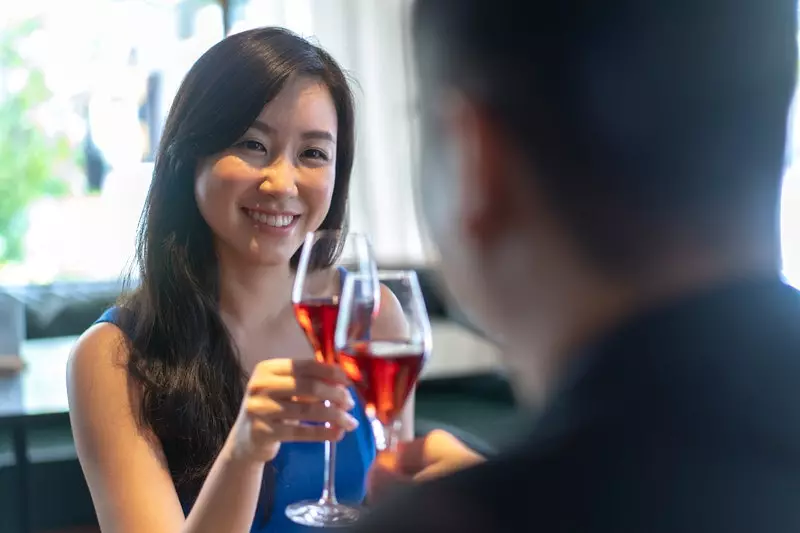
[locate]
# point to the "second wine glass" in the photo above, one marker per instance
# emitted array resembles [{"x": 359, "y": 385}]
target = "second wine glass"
[
  {"x": 316, "y": 296},
  {"x": 384, "y": 361}
]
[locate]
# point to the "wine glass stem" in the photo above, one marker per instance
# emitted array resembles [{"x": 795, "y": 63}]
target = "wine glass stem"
[
  {"x": 329, "y": 479},
  {"x": 391, "y": 434}
]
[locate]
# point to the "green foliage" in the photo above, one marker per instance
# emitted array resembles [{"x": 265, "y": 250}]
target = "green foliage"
[{"x": 29, "y": 158}]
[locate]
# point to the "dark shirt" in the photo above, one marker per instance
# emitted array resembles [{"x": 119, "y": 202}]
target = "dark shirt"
[{"x": 685, "y": 419}]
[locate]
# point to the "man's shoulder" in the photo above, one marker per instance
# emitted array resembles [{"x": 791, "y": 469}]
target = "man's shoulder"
[
  {"x": 464, "y": 502},
  {"x": 541, "y": 475},
  {"x": 606, "y": 477}
]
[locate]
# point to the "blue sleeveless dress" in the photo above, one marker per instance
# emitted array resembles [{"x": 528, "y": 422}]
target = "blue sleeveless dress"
[{"x": 299, "y": 467}]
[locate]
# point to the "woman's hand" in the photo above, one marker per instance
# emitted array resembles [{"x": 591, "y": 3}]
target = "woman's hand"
[
  {"x": 435, "y": 455},
  {"x": 282, "y": 396}
]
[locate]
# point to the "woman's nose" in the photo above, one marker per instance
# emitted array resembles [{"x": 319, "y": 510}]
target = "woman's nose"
[{"x": 279, "y": 179}]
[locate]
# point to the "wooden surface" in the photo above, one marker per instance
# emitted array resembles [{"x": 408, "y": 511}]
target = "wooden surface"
[{"x": 40, "y": 388}]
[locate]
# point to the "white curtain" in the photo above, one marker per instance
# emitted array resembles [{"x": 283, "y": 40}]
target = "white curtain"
[{"x": 790, "y": 226}]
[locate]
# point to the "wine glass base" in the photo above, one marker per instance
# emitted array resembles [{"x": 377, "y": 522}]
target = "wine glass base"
[{"x": 315, "y": 513}]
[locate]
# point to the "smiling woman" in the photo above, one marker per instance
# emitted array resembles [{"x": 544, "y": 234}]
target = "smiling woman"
[
  {"x": 256, "y": 152},
  {"x": 262, "y": 195}
]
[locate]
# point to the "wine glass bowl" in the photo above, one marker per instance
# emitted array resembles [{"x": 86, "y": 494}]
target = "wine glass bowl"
[{"x": 384, "y": 360}]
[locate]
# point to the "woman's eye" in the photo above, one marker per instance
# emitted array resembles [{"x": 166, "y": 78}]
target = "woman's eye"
[
  {"x": 314, "y": 153},
  {"x": 253, "y": 145}
]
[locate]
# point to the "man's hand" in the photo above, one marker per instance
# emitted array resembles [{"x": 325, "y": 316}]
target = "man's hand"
[{"x": 435, "y": 455}]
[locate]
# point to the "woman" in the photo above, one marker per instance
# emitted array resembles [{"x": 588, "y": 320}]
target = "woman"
[{"x": 180, "y": 396}]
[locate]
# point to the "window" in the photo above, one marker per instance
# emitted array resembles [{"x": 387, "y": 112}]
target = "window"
[
  {"x": 790, "y": 199},
  {"x": 790, "y": 226},
  {"x": 83, "y": 100}
]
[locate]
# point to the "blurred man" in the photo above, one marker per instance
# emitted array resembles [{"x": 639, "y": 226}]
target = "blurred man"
[{"x": 602, "y": 179}]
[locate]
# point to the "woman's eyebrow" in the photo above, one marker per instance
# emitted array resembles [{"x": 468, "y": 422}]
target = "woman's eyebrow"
[
  {"x": 321, "y": 135},
  {"x": 263, "y": 127}
]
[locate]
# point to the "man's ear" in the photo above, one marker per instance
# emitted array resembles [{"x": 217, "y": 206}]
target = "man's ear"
[{"x": 487, "y": 173}]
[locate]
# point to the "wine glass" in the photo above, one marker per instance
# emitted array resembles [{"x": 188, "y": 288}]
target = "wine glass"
[
  {"x": 315, "y": 297},
  {"x": 384, "y": 366}
]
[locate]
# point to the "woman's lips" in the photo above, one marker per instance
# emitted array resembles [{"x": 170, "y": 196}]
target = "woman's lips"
[{"x": 282, "y": 222}]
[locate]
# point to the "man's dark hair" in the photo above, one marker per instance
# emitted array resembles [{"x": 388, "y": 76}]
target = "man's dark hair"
[{"x": 644, "y": 119}]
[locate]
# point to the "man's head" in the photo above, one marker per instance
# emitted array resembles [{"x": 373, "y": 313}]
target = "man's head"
[{"x": 565, "y": 140}]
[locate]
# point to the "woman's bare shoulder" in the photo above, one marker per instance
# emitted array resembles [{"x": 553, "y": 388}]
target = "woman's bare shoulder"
[
  {"x": 110, "y": 438},
  {"x": 98, "y": 378},
  {"x": 103, "y": 347}
]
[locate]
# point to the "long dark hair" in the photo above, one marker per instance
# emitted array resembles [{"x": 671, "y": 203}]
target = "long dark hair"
[{"x": 182, "y": 358}]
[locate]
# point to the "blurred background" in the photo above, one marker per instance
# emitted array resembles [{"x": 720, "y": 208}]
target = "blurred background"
[{"x": 85, "y": 86}]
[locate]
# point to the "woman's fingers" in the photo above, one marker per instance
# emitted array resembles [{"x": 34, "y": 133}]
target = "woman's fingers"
[
  {"x": 288, "y": 387},
  {"x": 312, "y": 433},
  {"x": 318, "y": 412},
  {"x": 298, "y": 401},
  {"x": 294, "y": 432},
  {"x": 308, "y": 368},
  {"x": 292, "y": 411},
  {"x": 316, "y": 370}
]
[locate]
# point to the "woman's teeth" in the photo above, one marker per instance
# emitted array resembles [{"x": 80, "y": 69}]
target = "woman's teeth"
[{"x": 276, "y": 221}]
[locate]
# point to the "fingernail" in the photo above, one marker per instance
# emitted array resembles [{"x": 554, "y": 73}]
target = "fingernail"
[
  {"x": 352, "y": 422},
  {"x": 351, "y": 402}
]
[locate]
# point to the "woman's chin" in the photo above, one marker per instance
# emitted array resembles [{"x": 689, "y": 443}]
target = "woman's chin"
[
  {"x": 256, "y": 258},
  {"x": 271, "y": 260},
  {"x": 270, "y": 253}
]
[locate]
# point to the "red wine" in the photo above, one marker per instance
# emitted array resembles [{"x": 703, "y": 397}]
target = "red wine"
[
  {"x": 384, "y": 373},
  {"x": 318, "y": 319}
]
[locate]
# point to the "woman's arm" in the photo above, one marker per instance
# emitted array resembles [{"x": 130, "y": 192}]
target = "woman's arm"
[{"x": 124, "y": 464}]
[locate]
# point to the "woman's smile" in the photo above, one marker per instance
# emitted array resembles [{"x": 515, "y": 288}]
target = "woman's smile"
[{"x": 279, "y": 223}]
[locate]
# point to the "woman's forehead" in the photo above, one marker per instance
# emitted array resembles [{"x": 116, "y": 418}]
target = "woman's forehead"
[{"x": 304, "y": 103}]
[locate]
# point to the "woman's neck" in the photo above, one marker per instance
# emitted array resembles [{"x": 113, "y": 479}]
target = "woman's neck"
[{"x": 252, "y": 295}]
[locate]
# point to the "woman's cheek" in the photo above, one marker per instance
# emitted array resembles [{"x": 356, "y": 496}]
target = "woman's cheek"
[{"x": 319, "y": 192}]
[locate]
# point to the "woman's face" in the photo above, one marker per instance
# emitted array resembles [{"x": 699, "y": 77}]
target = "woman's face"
[{"x": 263, "y": 194}]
